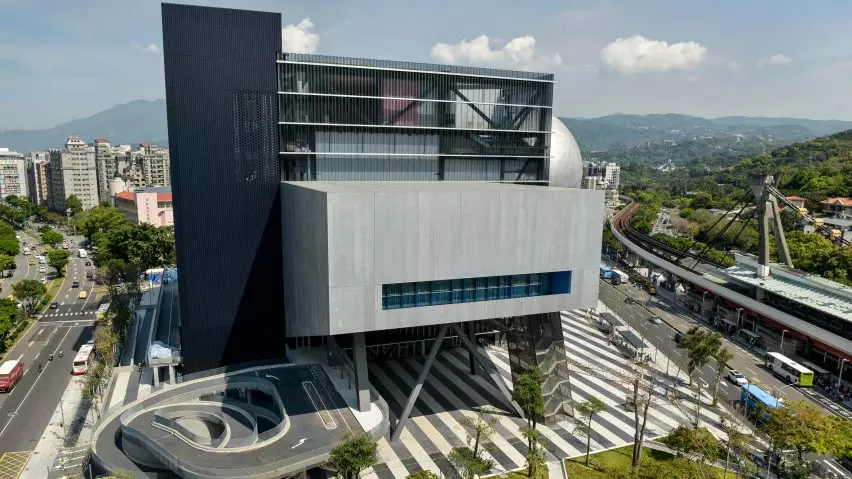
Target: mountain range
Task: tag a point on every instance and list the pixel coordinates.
(139, 121)
(145, 121)
(621, 131)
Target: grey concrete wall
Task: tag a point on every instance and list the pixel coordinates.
(304, 239)
(377, 237)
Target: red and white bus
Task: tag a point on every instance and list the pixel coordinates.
(82, 359)
(10, 373)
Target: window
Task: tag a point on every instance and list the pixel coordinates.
(468, 290)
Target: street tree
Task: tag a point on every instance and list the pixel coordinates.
(422, 474)
(52, 237)
(356, 453)
(640, 401)
(737, 446)
(721, 356)
(74, 204)
(587, 410)
(699, 346)
(58, 259)
(528, 395)
(470, 459)
(536, 459)
(101, 219)
(694, 444)
(6, 261)
(29, 292)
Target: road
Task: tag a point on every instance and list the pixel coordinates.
(660, 336)
(26, 410)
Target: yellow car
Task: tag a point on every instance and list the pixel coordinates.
(31, 262)
(83, 294)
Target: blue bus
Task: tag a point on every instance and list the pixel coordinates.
(606, 271)
(753, 398)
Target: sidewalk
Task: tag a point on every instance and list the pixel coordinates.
(76, 429)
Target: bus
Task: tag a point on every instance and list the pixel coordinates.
(790, 370)
(753, 398)
(82, 359)
(81, 253)
(100, 314)
(606, 271)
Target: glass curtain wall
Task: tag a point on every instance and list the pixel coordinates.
(355, 119)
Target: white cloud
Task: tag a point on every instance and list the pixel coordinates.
(519, 53)
(638, 54)
(150, 48)
(778, 59)
(299, 38)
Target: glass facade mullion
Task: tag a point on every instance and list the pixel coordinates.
(468, 290)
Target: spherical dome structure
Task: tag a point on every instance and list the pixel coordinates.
(566, 162)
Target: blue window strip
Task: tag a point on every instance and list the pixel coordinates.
(469, 290)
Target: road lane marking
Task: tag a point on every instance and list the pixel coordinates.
(24, 400)
(30, 344)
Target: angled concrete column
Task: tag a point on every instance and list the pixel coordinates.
(412, 398)
(156, 370)
(489, 368)
(172, 375)
(359, 356)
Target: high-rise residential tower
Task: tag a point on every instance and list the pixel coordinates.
(73, 171)
(13, 173)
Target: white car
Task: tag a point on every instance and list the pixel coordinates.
(655, 320)
(42, 270)
(737, 378)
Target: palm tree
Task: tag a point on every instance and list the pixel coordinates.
(722, 356)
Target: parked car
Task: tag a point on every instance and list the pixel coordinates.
(655, 320)
(89, 275)
(737, 378)
(88, 263)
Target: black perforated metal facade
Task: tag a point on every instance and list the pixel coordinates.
(221, 83)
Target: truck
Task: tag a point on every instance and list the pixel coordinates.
(619, 277)
(81, 253)
(11, 372)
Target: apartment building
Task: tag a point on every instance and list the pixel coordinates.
(73, 171)
(13, 173)
(38, 165)
(147, 166)
(604, 175)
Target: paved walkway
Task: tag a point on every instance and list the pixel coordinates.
(451, 393)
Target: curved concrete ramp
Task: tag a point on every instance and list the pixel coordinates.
(264, 421)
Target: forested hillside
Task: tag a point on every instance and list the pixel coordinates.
(815, 170)
(678, 139)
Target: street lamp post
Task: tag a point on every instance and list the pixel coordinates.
(782, 340)
(840, 375)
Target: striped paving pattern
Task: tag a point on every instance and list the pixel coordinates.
(451, 393)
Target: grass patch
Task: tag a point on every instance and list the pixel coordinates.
(542, 473)
(619, 459)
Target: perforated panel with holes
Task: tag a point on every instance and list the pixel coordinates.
(255, 115)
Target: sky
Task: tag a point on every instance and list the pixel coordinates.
(61, 59)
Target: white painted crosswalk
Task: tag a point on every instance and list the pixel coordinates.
(451, 393)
